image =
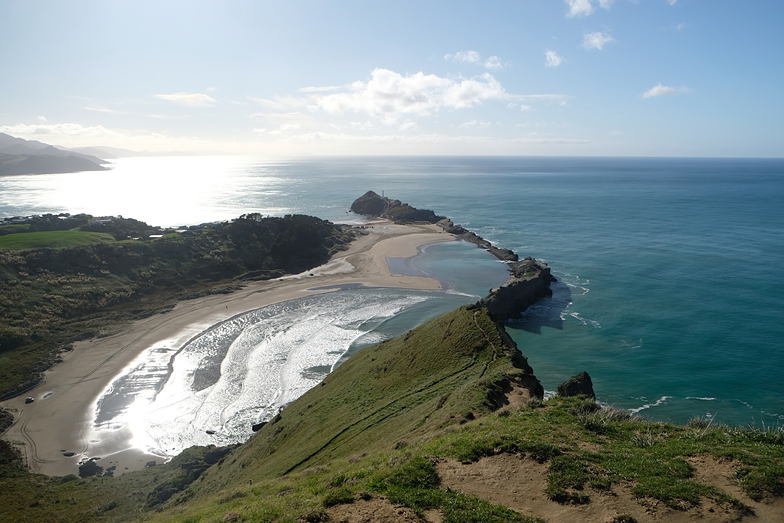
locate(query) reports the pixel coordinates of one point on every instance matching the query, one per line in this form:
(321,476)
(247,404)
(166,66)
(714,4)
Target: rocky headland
(19,156)
(529,278)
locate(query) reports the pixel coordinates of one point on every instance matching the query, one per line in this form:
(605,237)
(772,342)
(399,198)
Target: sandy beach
(52,431)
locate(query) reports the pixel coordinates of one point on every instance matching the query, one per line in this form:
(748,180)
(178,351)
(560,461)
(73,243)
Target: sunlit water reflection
(213,388)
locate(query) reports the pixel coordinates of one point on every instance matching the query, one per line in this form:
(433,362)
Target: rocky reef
(529,279)
(577,385)
(464,234)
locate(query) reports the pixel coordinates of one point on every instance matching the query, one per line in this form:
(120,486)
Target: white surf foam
(236,373)
(661,401)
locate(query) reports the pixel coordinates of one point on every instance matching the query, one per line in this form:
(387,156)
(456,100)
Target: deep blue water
(670,293)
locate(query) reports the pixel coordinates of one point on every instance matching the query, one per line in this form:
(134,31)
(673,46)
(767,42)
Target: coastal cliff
(529,279)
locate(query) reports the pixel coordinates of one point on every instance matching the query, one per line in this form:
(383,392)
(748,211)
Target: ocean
(670,288)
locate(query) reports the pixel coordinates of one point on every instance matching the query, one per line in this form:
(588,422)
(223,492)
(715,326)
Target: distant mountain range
(19,156)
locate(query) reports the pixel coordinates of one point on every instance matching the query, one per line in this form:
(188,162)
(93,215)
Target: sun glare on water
(162,191)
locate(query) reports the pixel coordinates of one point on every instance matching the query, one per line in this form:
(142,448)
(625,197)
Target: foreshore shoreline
(52,431)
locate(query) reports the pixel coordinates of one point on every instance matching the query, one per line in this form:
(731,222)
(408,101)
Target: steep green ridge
(448,370)
(379,426)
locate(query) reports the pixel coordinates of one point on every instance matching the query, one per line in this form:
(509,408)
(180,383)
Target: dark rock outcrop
(530,281)
(576,385)
(371,204)
(464,234)
(90,468)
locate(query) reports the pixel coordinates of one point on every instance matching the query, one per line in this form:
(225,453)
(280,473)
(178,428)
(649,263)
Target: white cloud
(281,102)
(473,57)
(42,118)
(286,128)
(319,89)
(552,59)
(167,116)
(408,126)
(476,124)
(585,7)
(187,99)
(388,95)
(57,130)
(596,40)
(671,2)
(103,110)
(285,121)
(664,90)
(579,8)
(393,99)
(269,104)
(493,63)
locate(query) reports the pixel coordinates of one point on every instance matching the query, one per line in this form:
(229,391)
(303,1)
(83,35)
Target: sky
(305,77)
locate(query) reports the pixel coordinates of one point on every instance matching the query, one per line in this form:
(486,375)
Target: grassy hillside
(52,239)
(449,370)
(437,426)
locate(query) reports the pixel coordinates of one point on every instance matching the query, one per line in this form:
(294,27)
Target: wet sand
(56,422)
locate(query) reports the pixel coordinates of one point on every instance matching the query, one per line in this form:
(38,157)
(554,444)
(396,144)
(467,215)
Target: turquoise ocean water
(670,292)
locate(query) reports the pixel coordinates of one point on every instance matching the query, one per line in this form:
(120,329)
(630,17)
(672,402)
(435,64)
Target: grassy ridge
(380,423)
(439,374)
(53,239)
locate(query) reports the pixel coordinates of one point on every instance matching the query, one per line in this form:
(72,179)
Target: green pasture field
(52,239)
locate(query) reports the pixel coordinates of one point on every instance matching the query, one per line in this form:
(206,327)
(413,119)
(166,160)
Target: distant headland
(530,279)
(19,156)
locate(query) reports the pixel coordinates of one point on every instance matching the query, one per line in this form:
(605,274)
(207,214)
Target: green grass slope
(451,369)
(380,427)
(53,239)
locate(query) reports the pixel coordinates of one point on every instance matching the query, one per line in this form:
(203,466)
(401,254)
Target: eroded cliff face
(530,279)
